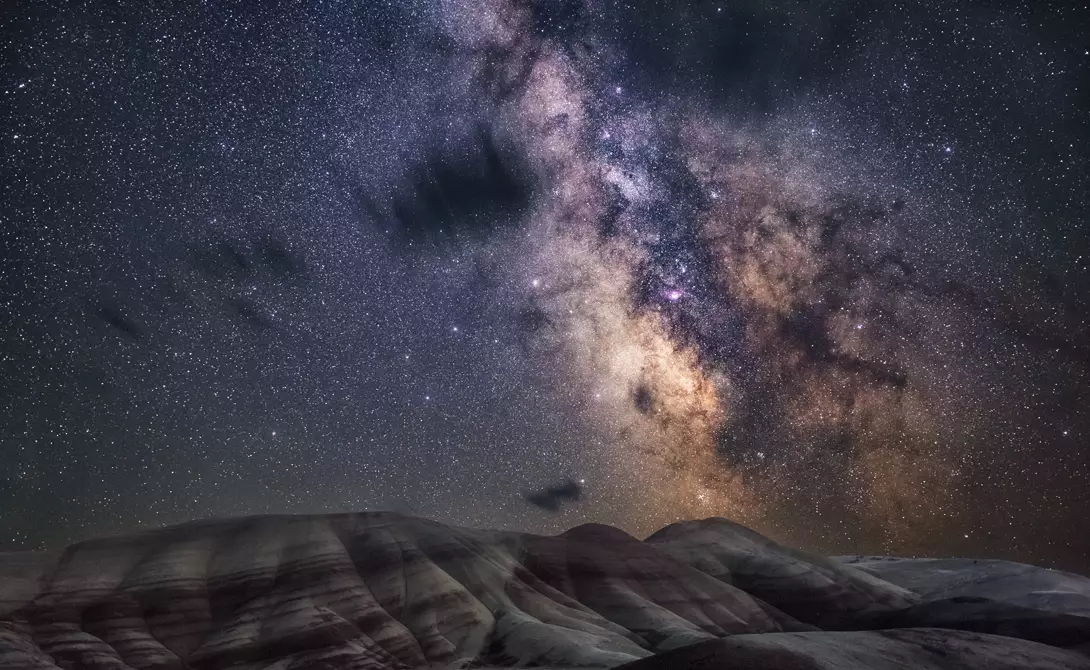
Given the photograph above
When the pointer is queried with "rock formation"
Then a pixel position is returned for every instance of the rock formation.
(382, 590)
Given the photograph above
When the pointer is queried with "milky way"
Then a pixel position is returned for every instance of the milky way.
(753, 329)
(816, 268)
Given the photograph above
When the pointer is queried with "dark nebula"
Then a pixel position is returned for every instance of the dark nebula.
(551, 498)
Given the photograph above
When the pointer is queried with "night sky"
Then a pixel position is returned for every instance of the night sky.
(819, 267)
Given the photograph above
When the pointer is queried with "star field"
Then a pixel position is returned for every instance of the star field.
(821, 268)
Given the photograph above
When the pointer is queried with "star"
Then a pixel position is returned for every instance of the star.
(198, 251)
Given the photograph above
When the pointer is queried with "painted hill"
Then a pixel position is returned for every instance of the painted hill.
(382, 590)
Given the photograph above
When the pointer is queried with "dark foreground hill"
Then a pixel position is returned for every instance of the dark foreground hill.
(381, 590)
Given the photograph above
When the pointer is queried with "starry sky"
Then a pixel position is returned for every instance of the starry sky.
(818, 267)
